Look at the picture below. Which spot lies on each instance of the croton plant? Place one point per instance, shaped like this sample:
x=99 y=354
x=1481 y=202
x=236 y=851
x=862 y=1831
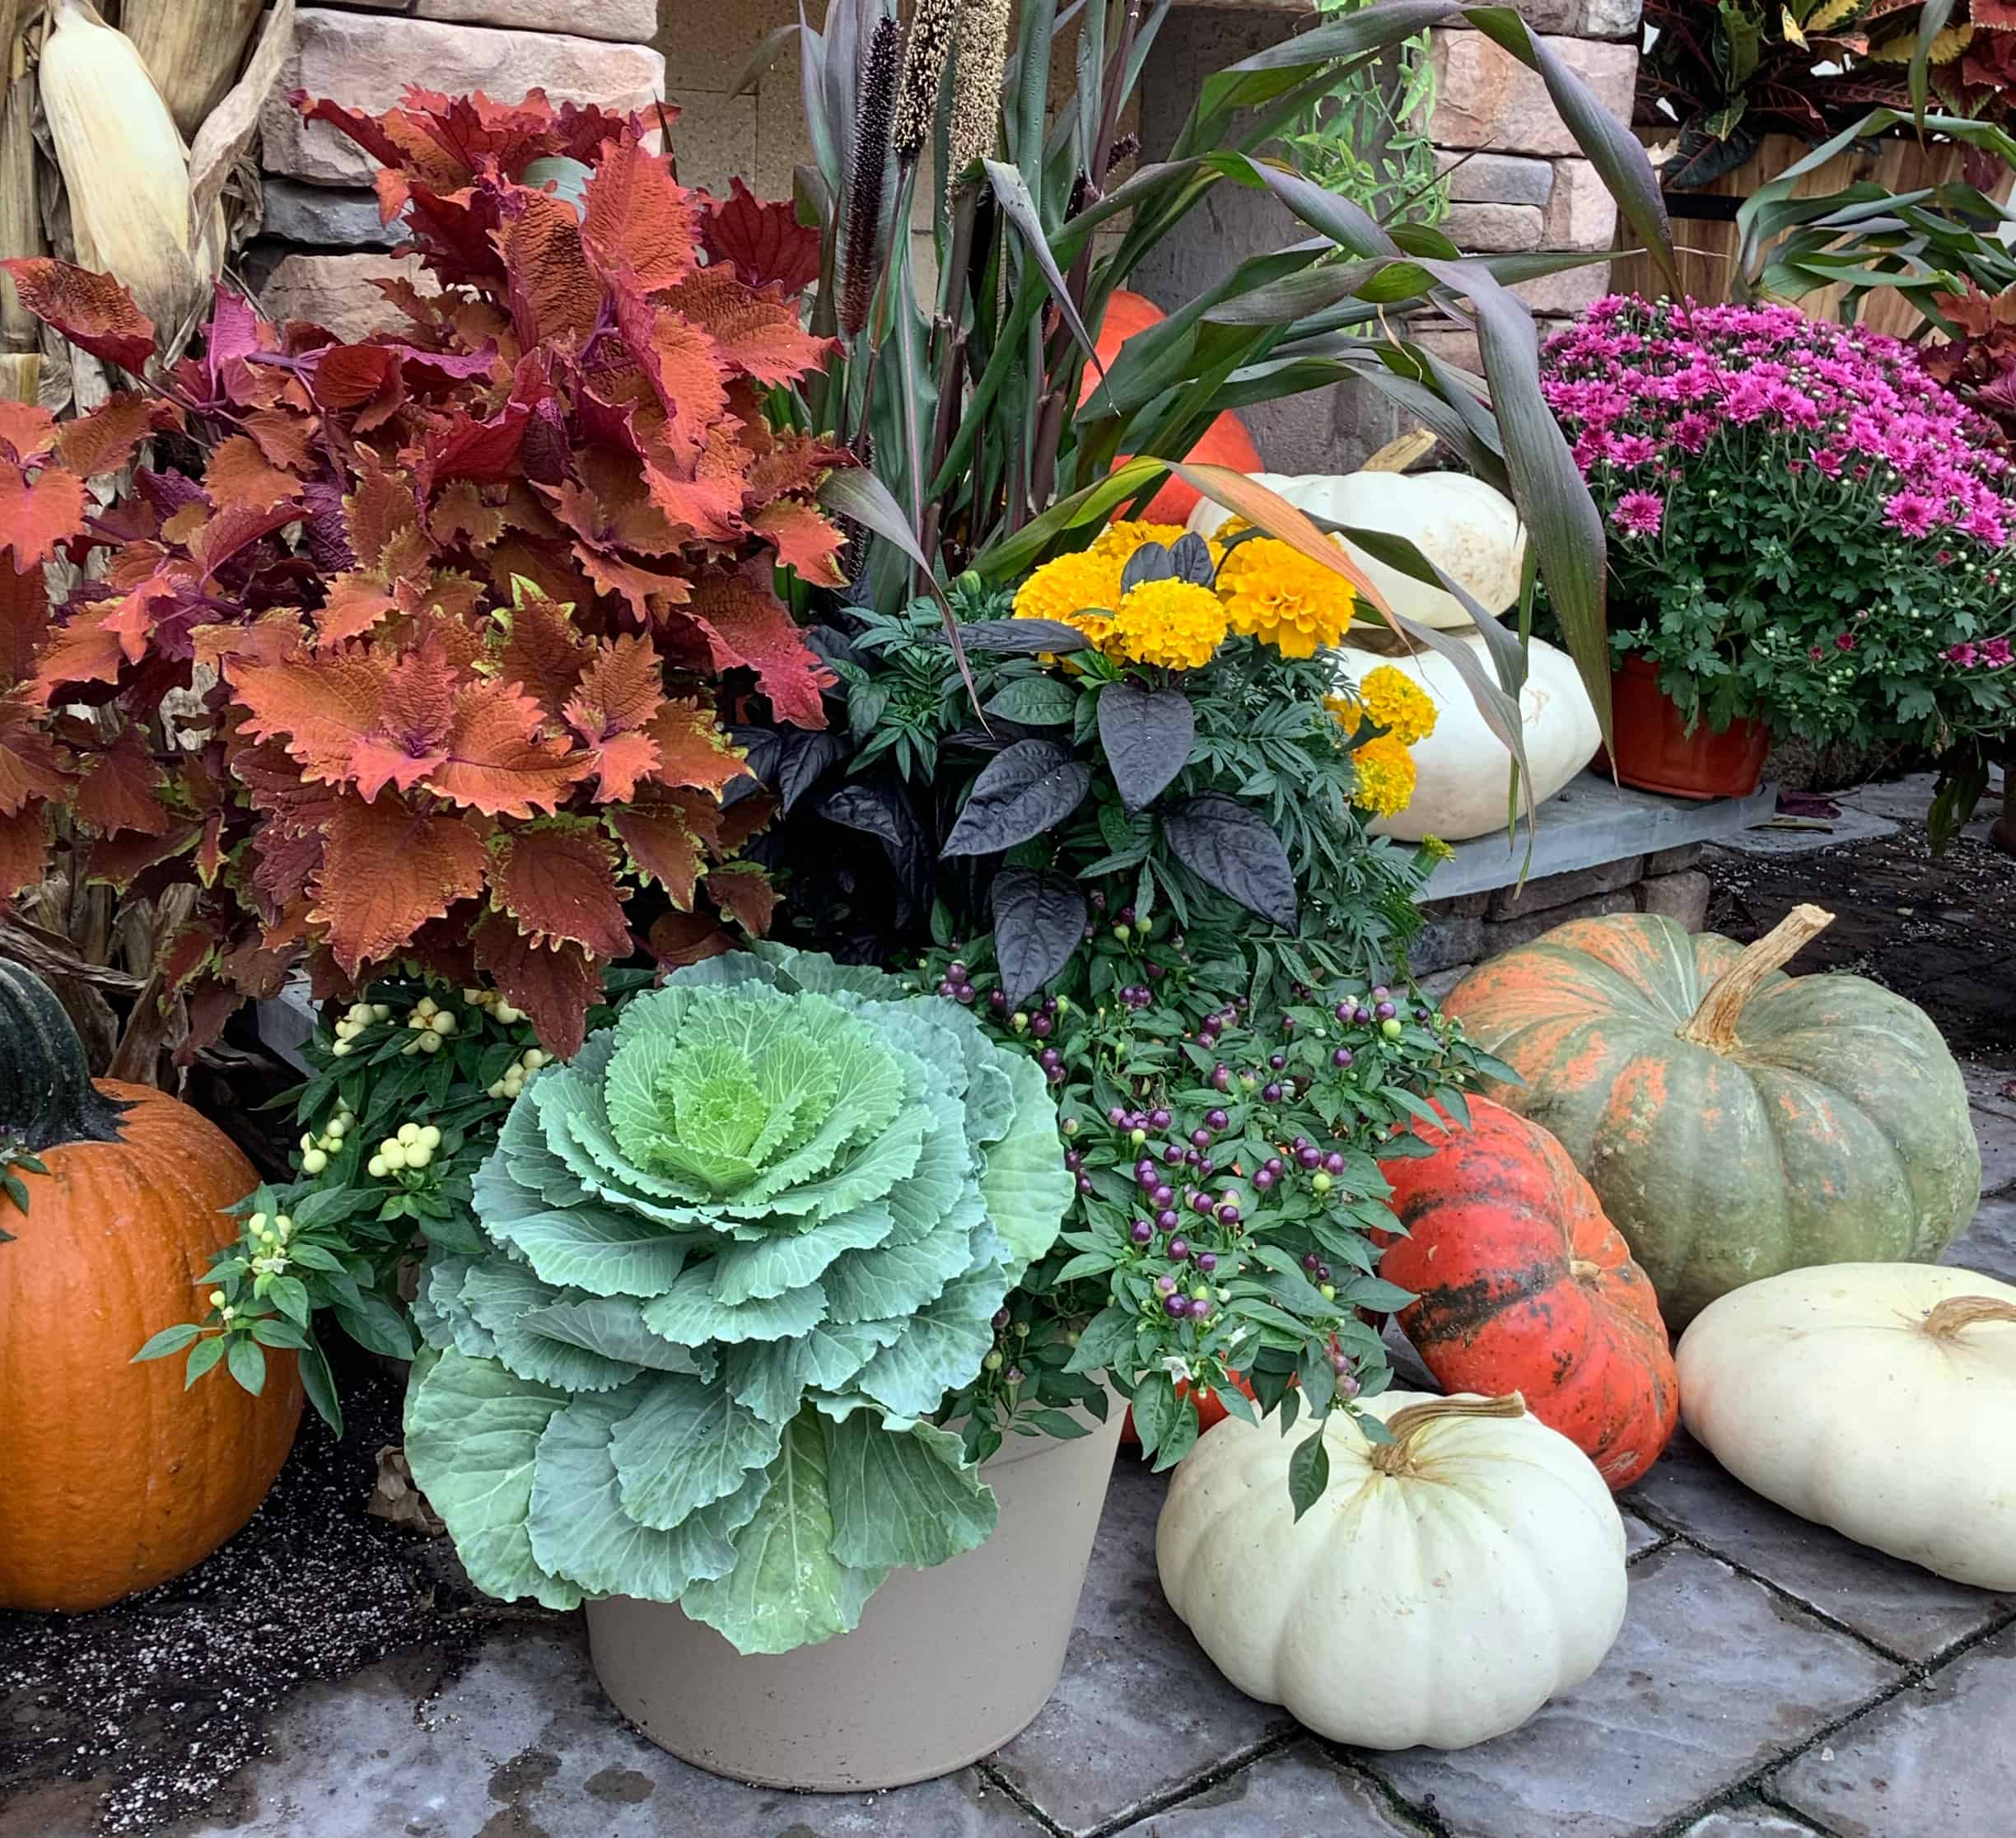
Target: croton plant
x=419 y=648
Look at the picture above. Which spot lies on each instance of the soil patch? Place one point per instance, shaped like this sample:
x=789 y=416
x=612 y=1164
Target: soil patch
x=1941 y=932
x=124 y=1720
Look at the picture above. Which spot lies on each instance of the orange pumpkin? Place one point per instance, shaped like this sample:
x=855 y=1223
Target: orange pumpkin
x=1209 y=1407
x=1225 y=443
x=112 y=1478
x=1522 y=1285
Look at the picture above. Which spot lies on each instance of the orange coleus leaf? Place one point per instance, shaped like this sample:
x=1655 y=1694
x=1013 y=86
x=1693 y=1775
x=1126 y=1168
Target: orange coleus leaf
x=619 y=694
x=386 y=871
x=24 y=849
x=554 y=295
x=320 y=708
x=646 y=592
x=692 y=750
x=283 y=437
x=685 y=369
x=378 y=510
x=803 y=539
x=661 y=845
x=86 y=650
x=497 y=762
x=745 y=896
x=239 y=477
x=555 y=985
x=461 y=512
x=355 y=604
x=104 y=440
x=545 y=652
x=757 y=329
x=27 y=431
x=637 y=220
x=24 y=621
x=557 y=881
x=408 y=739
x=705 y=499
x=31 y=766
x=745 y=623
x=93 y=311
x=121 y=791
x=35 y=516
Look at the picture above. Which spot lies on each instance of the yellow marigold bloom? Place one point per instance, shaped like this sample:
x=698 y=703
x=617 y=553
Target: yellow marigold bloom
x=1399 y=704
x=1385 y=775
x=1175 y=623
x=1122 y=538
x=1079 y=590
x=1277 y=595
x=1345 y=708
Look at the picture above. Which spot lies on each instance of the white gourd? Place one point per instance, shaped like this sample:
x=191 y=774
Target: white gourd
x=1877 y=1398
x=1463 y=770
x=1463 y=526
x=1442 y=1589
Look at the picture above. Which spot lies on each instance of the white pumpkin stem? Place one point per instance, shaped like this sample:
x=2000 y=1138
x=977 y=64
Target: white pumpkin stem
x=1713 y=1024
x=1958 y=1312
x=1393 y=1458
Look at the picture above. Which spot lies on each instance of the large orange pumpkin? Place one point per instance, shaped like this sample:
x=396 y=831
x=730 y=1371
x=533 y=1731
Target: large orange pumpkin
x=1524 y=1286
x=1225 y=443
x=112 y=1478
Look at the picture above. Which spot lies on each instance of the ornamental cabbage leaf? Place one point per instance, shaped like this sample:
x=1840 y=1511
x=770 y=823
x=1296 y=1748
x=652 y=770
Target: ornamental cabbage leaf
x=736 y=1254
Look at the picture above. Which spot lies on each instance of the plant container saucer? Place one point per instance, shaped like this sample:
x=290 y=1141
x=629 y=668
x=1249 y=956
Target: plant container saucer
x=1654 y=752
x=947 y=1665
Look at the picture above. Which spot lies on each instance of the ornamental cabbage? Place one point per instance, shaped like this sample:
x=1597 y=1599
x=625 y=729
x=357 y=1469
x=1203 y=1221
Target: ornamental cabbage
x=737 y=1252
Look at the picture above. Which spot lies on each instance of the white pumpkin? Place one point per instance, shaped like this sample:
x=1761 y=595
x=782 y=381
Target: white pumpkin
x=1440 y=1591
x=1878 y=1398
x=1462 y=772
x=1462 y=524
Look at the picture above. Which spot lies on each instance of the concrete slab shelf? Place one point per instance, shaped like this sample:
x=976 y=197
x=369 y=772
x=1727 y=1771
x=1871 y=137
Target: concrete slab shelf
x=1590 y=822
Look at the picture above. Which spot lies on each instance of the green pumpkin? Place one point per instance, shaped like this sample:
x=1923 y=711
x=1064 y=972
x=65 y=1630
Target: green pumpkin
x=1735 y=1121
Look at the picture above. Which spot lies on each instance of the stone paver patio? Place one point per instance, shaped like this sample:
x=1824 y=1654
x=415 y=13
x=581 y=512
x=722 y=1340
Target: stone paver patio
x=1772 y=1681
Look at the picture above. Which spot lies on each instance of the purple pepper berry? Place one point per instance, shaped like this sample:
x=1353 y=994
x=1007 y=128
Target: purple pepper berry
x=1342 y=1057
x=1158 y=1119
x=1334 y=1163
x=1263 y=1178
x=1178 y=1250
x=1216 y=1120
x=1176 y=1307
x=1140 y=1231
x=1308 y=1157
x=1073 y=1160
x=1165 y=1285
x=1271 y=1093
x=1202 y=1202
x=1207 y=1261
x=1040 y=1026
x=1173 y=1155
x=1084 y=1183
x=1168 y=1219
x=1274 y=1165
x=1385 y=1011
x=998 y=998
x=1227 y=1214
x=1221 y=1078
x=1162 y=1194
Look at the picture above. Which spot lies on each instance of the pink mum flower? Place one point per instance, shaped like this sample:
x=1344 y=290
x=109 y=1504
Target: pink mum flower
x=1639 y=513
x=1912 y=512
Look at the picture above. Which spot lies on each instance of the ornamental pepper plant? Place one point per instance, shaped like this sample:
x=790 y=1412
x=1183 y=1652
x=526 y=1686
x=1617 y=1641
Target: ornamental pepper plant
x=419 y=648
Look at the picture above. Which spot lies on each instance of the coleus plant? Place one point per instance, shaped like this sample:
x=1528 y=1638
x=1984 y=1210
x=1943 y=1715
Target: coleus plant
x=732 y=1258
x=417 y=648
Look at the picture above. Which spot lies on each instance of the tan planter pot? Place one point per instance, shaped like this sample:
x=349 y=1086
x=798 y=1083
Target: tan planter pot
x=946 y=1665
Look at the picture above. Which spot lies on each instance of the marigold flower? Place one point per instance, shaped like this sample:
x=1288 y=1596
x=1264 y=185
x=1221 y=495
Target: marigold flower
x=1122 y=537
x=1385 y=772
x=1079 y=590
x=1398 y=704
x=1277 y=595
x=1175 y=623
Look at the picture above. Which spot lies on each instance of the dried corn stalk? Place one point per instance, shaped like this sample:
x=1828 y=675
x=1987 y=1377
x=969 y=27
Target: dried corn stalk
x=20 y=221
x=125 y=167
x=192 y=49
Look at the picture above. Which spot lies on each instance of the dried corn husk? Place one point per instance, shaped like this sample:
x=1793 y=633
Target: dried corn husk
x=21 y=222
x=125 y=169
x=1400 y=453
x=192 y=49
x=20 y=376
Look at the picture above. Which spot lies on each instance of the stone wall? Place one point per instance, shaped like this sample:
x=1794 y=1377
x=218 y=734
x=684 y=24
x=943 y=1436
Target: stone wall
x=1463 y=931
x=322 y=244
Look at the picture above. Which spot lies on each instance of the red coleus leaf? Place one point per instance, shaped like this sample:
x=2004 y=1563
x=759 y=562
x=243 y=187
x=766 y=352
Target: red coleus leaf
x=409 y=738
x=804 y=540
x=24 y=849
x=30 y=762
x=35 y=516
x=661 y=846
x=679 y=938
x=119 y=861
x=745 y=623
x=555 y=985
x=693 y=751
x=386 y=870
x=93 y=311
x=557 y=881
x=27 y=432
x=683 y=367
x=239 y=477
x=765 y=240
x=460 y=446
x=745 y=896
x=24 y=622
x=637 y=220
x=121 y=790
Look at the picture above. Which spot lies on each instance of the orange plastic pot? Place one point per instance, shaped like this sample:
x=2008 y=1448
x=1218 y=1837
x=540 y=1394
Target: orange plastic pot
x=1209 y=1408
x=1654 y=752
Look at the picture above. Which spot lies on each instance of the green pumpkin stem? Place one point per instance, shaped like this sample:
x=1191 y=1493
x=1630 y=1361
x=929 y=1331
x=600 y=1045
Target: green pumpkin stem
x=1395 y=1457
x=1713 y=1024
x=46 y=1098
